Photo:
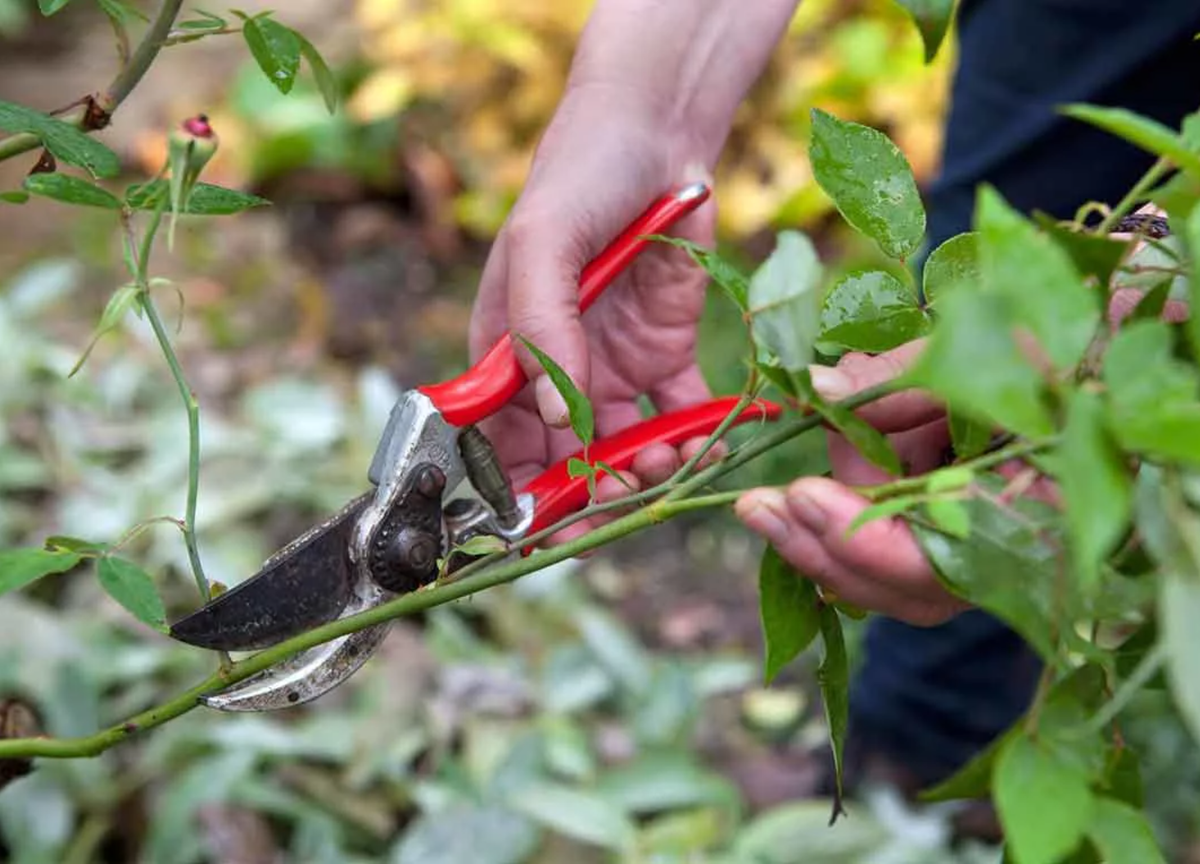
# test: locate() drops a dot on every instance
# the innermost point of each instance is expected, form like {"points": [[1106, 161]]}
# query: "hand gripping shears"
{"points": [[389, 541]]}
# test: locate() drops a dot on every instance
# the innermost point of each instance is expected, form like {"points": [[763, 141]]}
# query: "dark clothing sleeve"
{"points": [[933, 697]]}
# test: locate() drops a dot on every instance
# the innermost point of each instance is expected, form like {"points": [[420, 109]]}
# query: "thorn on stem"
{"points": [[46, 164]]}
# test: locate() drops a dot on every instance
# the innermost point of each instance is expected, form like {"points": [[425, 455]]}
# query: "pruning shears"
{"points": [[390, 540]]}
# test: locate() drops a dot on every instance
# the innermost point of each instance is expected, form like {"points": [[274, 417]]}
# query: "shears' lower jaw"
{"points": [[310, 673]]}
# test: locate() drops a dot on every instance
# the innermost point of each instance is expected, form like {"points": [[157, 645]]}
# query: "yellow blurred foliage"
{"points": [[493, 71]]}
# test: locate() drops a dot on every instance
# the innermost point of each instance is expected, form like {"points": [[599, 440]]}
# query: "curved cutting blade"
{"points": [[308, 582], [310, 673]]}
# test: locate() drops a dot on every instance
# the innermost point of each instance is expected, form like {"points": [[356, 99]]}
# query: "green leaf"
{"points": [[1122, 833], [482, 544], [1068, 706], [208, 22], [867, 440], [949, 479], [61, 543], [778, 376], [787, 604], [14, 197], [1045, 292], [133, 588], [49, 7], [884, 509], [973, 362], [1192, 239], [724, 274], [1153, 407], [578, 406], [872, 312], [326, 83], [1123, 777], [615, 474], [968, 437], [1092, 255], [1163, 519], [1178, 611], [932, 18], [833, 676], [579, 468], [664, 781], [678, 834], [1177, 196], [72, 190], [952, 264], [19, 567], [784, 301], [118, 304], [797, 833], [1007, 565], [1148, 134], [870, 182], [580, 815], [1044, 804], [205, 199], [121, 12], [275, 48], [483, 833], [63, 140], [1096, 487], [949, 516]]}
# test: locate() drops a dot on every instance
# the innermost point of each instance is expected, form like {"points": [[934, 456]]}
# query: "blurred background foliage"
{"points": [[607, 709]]}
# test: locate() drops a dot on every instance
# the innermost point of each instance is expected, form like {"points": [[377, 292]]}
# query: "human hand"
{"points": [[648, 105], [881, 566], [599, 166]]}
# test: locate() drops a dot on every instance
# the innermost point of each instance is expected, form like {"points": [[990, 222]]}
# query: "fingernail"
{"points": [[830, 383], [765, 513], [807, 509], [551, 404]]}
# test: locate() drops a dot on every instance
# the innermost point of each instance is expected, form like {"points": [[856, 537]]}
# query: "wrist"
{"points": [[683, 66]]}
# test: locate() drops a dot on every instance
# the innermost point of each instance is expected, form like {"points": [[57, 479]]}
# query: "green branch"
{"points": [[488, 577], [91, 745], [140, 257], [153, 41]]}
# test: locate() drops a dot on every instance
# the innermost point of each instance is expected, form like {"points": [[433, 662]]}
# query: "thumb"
{"points": [[856, 372], [544, 265]]}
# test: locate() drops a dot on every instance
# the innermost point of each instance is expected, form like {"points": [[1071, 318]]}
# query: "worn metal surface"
{"points": [[306, 583]]}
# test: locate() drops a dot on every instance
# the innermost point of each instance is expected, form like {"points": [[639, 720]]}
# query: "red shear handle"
{"points": [[488, 386], [557, 495]]}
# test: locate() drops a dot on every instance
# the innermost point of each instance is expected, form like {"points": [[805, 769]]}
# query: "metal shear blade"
{"points": [[306, 583]]}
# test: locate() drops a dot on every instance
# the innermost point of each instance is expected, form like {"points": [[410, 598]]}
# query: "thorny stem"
{"points": [[1134, 195], [153, 41]]}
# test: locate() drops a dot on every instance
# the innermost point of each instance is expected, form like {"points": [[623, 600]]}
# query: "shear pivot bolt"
{"points": [[408, 560]]}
